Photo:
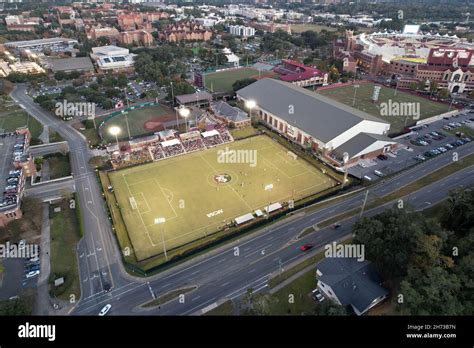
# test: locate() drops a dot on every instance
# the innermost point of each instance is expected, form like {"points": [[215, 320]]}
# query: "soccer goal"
{"points": [[292, 155], [133, 203]]}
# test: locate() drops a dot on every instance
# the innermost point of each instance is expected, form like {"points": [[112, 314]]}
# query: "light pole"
{"points": [[355, 93], [128, 128], [115, 131], [159, 221], [345, 158], [250, 104], [184, 112], [172, 93]]}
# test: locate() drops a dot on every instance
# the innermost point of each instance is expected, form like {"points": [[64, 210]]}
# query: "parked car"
{"points": [[317, 296], [32, 274], [105, 310], [379, 173]]}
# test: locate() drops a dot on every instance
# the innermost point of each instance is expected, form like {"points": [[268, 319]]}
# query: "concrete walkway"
{"points": [[43, 301], [44, 136]]}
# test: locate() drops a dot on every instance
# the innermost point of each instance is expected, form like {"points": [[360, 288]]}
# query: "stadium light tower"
{"points": [[184, 112], [159, 221], [115, 131], [250, 104]]}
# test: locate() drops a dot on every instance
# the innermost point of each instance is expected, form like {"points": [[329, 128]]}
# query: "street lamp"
{"points": [[184, 112], [159, 221], [115, 131]]}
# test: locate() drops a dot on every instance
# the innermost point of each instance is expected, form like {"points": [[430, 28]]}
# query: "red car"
{"points": [[306, 247]]}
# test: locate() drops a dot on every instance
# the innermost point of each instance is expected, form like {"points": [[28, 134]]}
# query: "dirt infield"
{"points": [[156, 124]]}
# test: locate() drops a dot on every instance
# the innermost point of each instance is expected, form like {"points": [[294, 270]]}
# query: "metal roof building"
{"points": [[310, 119]]}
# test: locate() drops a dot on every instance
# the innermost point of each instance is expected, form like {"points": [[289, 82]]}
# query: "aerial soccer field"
{"points": [[196, 194]]}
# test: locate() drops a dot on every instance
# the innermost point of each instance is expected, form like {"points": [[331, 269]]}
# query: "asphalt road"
{"points": [[97, 250], [226, 272], [223, 275]]}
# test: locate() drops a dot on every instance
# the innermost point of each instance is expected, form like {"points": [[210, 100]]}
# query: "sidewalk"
{"points": [[43, 301]]}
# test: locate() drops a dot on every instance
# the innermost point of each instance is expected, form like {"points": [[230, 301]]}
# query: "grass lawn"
{"points": [[239, 133], [299, 28], [222, 81], [345, 95], [468, 131], [11, 121], [185, 192], [55, 137], [59, 165], [65, 235], [227, 308], [140, 121]]}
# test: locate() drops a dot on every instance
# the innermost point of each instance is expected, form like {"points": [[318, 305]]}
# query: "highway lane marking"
{"points": [[248, 285], [225, 284], [99, 294], [260, 250], [109, 298], [202, 304]]}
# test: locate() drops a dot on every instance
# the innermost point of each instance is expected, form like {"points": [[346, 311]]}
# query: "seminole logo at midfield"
{"points": [[222, 178]]}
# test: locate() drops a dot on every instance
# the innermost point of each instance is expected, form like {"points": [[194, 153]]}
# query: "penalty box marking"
{"points": [[139, 215]]}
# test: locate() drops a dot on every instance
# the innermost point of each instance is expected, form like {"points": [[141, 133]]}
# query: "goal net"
{"points": [[292, 155], [133, 203]]}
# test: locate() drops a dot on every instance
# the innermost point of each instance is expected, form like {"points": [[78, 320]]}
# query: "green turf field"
{"points": [[9, 121], [222, 81], [137, 121], [345, 95], [184, 191], [299, 28]]}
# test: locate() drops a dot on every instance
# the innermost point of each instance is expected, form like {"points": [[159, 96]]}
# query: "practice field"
{"points": [[299, 28], [140, 121], [222, 81], [198, 193], [345, 95]]}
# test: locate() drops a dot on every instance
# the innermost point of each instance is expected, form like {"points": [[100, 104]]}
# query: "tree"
{"points": [[430, 292], [329, 308], [443, 93], [239, 84], [459, 213], [393, 230], [257, 304]]}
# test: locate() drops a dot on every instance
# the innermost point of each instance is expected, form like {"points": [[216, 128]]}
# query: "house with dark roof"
{"points": [[333, 131], [350, 283], [231, 115]]}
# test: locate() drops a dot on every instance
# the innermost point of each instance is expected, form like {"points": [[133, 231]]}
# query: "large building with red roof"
{"points": [[300, 74]]}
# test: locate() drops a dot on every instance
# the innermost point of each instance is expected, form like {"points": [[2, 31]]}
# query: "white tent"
{"points": [[244, 218], [273, 207], [210, 133], [170, 142]]}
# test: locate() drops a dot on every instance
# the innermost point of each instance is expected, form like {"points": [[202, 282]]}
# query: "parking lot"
{"points": [[423, 143]]}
